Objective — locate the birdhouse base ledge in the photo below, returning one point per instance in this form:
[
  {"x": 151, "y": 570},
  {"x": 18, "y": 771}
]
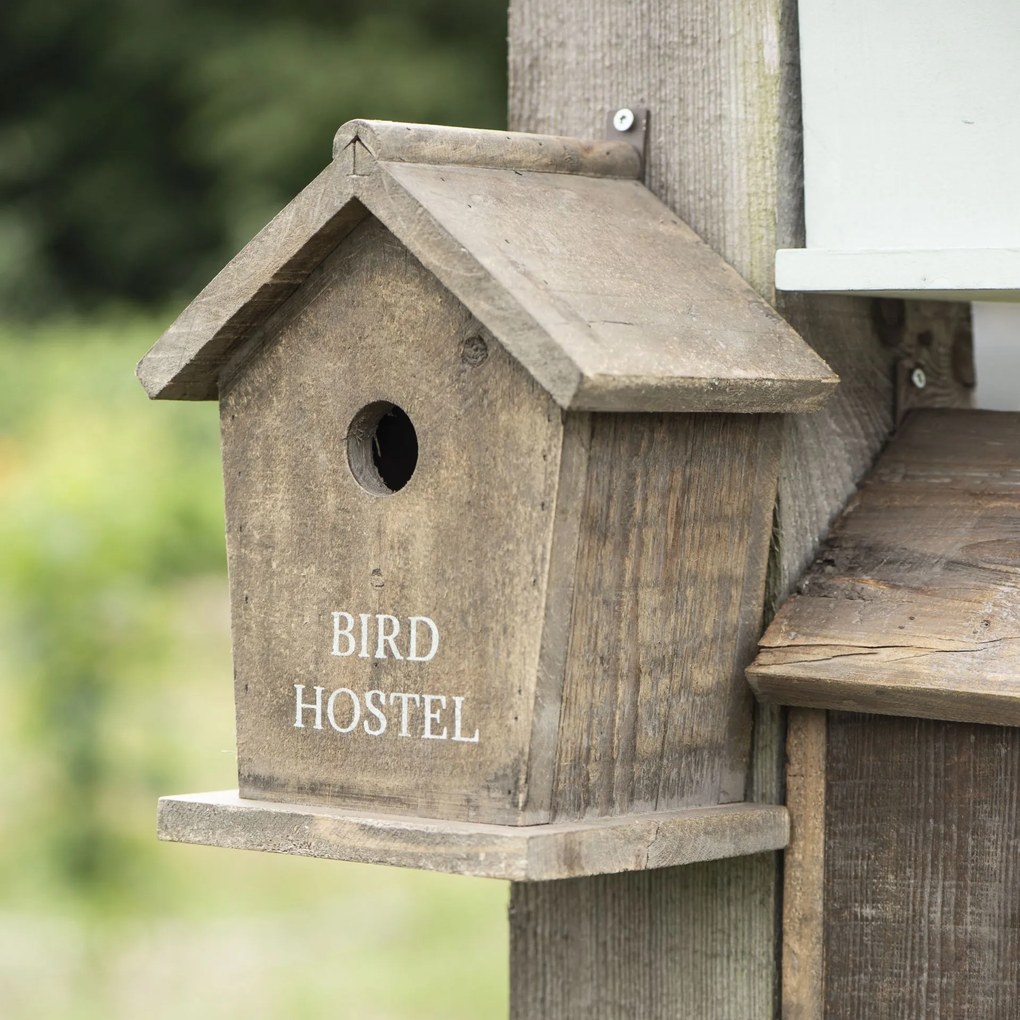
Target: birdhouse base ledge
[{"x": 556, "y": 850}]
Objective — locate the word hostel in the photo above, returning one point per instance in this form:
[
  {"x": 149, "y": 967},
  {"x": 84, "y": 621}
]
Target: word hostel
[{"x": 345, "y": 711}]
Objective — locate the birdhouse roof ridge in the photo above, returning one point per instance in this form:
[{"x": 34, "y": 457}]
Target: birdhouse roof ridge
[
  {"x": 598, "y": 290},
  {"x": 394, "y": 142}
]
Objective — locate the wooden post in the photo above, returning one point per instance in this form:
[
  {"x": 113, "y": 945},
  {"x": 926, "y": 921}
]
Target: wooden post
[{"x": 721, "y": 81}]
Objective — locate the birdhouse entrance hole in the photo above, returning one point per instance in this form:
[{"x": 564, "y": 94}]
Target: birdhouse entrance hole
[{"x": 382, "y": 448}]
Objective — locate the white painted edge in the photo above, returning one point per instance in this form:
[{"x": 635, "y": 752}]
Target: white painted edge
[
  {"x": 950, "y": 274},
  {"x": 520, "y": 853}
]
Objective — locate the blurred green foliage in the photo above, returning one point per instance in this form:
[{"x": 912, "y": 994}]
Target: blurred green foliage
[
  {"x": 115, "y": 687},
  {"x": 105, "y": 511},
  {"x": 142, "y": 142}
]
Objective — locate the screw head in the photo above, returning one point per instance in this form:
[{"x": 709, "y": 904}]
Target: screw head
[
  {"x": 623, "y": 119},
  {"x": 918, "y": 378}
]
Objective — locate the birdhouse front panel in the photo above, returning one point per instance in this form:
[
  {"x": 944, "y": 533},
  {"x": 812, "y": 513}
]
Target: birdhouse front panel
[{"x": 390, "y": 481}]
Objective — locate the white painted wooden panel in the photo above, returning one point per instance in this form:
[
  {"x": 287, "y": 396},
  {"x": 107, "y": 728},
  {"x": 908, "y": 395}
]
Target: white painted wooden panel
[
  {"x": 911, "y": 145},
  {"x": 911, "y": 127},
  {"x": 950, "y": 274}
]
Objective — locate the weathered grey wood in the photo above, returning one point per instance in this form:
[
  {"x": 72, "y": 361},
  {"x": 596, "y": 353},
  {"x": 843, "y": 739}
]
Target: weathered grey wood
[
  {"x": 812, "y": 487},
  {"x": 650, "y": 316},
  {"x": 597, "y": 580},
  {"x": 804, "y": 868},
  {"x": 724, "y": 154},
  {"x": 642, "y": 944},
  {"x": 913, "y": 606},
  {"x": 593, "y": 285},
  {"x": 937, "y": 338},
  {"x": 682, "y": 505},
  {"x": 185, "y": 362},
  {"x": 497, "y": 150},
  {"x": 555, "y": 650},
  {"x": 530, "y": 853},
  {"x": 466, "y": 544},
  {"x": 922, "y": 870}
]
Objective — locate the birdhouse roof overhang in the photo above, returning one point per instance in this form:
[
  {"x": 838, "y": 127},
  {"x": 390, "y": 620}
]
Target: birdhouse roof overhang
[{"x": 597, "y": 289}]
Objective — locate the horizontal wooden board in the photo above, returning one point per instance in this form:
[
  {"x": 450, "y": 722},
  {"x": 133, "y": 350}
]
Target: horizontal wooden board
[
  {"x": 532, "y": 853},
  {"x": 913, "y": 607},
  {"x": 499, "y": 150}
]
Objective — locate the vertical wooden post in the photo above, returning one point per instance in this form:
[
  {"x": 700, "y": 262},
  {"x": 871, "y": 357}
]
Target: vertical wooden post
[{"x": 720, "y": 78}]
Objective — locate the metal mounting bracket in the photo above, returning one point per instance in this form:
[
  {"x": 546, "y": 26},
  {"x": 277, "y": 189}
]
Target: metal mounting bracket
[{"x": 629, "y": 124}]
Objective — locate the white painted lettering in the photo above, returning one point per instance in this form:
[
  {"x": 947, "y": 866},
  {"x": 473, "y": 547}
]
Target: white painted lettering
[
  {"x": 412, "y": 651},
  {"x": 368, "y": 711},
  {"x": 375, "y": 710},
  {"x": 299, "y": 690},
  {"x": 404, "y": 699},
  {"x": 364, "y": 618},
  {"x": 458, "y": 709},
  {"x": 431, "y": 717},
  {"x": 355, "y": 710},
  {"x": 387, "y": 638},
  {"x": 343, "y": 632},
  {"x": 419, "y": 634}
]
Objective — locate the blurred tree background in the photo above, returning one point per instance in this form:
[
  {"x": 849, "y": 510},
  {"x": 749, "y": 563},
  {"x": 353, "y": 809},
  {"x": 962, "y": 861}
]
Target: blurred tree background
[{"x": 142, "y": 142}]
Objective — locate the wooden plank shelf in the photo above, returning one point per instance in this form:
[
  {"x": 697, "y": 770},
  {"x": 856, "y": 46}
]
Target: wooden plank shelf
[
  {"x": 573, "y": 849},
  {"x": 913, "y": 606}
]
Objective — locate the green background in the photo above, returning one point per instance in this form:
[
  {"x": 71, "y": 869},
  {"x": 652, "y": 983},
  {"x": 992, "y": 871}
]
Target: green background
[{"x": 141, "y": 143}]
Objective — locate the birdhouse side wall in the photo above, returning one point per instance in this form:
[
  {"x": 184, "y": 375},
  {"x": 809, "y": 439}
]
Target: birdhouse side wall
[
  {"x": 386, "y": 646},
  {"x": 667, "y": 602}
]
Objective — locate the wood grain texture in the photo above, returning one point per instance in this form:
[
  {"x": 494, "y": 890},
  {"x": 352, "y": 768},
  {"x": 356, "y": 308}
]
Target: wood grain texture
[
  {"x": 721, "y": 80},
  {"x": 596, "y": 580},
  {"x": 465, "y": 543},
  {"x": 804, "y": 868},
  {"x": 438, "y": 145},
  {"x": 937, "y": 338},
  {"x": 922, "y": 853},
  {"x": 699, "y": 941},
  {"x": 185, "y": 362},
  {"x": 668, "y": 589},
  {"x": 530, "y": 853},
  {"x": 642, "y": 945},
  {"x": 913, "y": 606},
  {"x": 604, "y": 296},
  {"x": 650, "y": 316}
]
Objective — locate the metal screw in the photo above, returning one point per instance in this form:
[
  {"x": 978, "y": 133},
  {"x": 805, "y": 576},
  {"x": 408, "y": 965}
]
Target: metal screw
[
  {"x": 623, "y": 119},
  {"x": 918, "y": 378}
]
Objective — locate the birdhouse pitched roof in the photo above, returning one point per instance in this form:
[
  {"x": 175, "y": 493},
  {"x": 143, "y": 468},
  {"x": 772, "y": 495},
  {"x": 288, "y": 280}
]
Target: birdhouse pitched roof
[{"x": 600, "y": 292}]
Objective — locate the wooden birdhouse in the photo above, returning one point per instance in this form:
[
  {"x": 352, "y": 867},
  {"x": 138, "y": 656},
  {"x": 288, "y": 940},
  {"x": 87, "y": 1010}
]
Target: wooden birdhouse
[
  {"x": 911, "y": 151},
  {"x": 500, "y": 446}
]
